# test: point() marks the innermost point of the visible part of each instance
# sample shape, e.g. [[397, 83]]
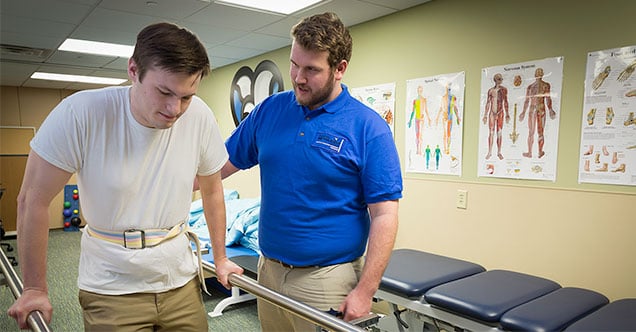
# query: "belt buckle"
[[142, 236]]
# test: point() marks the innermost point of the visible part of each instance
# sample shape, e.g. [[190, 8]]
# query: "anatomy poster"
[[381, 98], [608, 134], [519, 113], [434, 124]]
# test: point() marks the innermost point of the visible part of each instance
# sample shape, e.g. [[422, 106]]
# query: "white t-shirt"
[[131, 176]]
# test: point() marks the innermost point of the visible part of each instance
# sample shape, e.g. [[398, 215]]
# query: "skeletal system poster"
[[519, 113], [608, 134]]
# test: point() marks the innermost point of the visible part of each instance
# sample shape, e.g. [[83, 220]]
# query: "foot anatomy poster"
[[381, 98], [519, 113], [434, 124], [608, 134]]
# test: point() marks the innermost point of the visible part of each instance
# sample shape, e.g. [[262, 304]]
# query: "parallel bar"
[[310, 313], [35, 320]]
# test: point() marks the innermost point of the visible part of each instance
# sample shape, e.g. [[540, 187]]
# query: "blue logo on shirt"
[[329, 142]]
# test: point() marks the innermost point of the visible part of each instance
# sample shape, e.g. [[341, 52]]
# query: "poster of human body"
[[381, 98], [434, 124], [608, 134], [519, 113]]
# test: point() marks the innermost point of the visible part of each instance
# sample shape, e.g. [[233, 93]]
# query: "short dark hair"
[[324, 32], [172, 48]]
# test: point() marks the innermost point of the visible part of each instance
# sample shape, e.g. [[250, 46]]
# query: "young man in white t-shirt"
[[136, 151]]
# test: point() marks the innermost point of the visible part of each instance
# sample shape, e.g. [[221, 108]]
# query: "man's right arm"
[[42, 182]]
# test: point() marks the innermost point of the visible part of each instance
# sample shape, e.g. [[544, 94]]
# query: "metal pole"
[[35, 319], [310, 313]]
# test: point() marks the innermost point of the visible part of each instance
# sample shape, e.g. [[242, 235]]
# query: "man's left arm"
[[384, 225], [214, 210]]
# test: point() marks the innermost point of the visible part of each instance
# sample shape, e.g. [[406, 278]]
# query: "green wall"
[[447, 36], [580, 235]]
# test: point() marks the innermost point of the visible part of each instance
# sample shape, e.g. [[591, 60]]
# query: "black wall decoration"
[[251, 87]]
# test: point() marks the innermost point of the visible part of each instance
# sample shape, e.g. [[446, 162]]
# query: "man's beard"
[[317, 98]]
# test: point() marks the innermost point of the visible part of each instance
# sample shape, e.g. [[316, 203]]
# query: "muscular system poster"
[[519, 113]]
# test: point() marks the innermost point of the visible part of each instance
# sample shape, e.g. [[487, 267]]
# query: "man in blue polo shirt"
[[330, 182]]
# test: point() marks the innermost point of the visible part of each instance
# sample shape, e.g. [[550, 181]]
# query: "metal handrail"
[[35, 319], [308, 312]]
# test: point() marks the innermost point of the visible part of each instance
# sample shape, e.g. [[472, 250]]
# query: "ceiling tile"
[[126, 37], [14, 74], [56, 69], [231, 17], [50, 10], [30, 40], [227, 51], [260, 41], [109, 73], [119, 20], [81, 60], [280, 28], [211, 35], [35, 26], [168, 9], [351, 12], [229, 34], [119, 64]]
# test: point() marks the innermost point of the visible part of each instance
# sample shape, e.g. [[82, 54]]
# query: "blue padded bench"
[[410, 273], [554, 311], [619, 315], [487, 296], [457, 294]]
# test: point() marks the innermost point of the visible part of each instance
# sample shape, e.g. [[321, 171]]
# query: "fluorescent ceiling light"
[[99, 48], [285, 7], [77, 78]]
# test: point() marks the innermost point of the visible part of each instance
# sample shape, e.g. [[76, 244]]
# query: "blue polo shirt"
[[318, 169]]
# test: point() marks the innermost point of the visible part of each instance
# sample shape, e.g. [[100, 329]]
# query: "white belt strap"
[[140, 239], [194, 238], [137, 238]]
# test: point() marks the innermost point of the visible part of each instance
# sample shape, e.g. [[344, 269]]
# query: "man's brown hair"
[[172, 48], [324, 32]]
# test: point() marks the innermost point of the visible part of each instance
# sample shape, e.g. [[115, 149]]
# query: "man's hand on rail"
[[355, 305], [223, 269], [31, 300]]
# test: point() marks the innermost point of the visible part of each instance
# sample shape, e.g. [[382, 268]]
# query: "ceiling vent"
[[16, 52]]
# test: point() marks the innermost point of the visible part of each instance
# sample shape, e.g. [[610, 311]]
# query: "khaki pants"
[[180, 309], [323, 288]]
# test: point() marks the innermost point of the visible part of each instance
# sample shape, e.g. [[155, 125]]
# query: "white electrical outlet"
[[462, 199]]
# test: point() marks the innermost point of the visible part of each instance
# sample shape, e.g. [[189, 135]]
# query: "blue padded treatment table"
[[554, 311], [410, 273], [487, 296], [619, 315], [436, 290]]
